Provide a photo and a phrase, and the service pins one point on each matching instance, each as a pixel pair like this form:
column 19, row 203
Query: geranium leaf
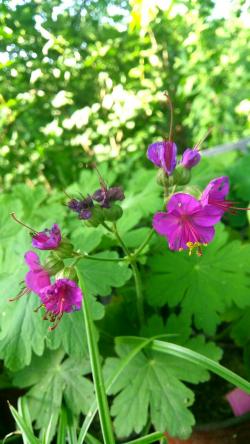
column 204, row 286
column 100, row 277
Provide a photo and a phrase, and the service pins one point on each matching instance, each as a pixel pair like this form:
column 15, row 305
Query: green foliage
column 204, row 287
column 79, row 82
column 53, row 380
column 152, row 383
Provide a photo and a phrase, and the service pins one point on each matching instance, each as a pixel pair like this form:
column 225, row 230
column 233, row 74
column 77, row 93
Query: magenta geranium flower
column 36, row 278
column 190, row 158
column 163, row 155
column 47, row 239
column 187, row 224
column 64, row 296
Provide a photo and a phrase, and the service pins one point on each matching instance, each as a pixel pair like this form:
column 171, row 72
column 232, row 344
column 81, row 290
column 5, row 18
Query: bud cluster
column 99, row 207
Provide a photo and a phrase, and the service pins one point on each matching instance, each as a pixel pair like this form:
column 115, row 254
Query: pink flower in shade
column 239, row 401
column 164, row 155
column 47, row 239
column 186, row 225
column 36, row 278
column 214, row 196
column 64, row 296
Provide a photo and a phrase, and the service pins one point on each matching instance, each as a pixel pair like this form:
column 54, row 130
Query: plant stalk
column 102, row 402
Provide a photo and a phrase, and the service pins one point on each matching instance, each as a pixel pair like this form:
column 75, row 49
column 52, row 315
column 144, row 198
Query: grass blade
column 193, row 357
column 93, row 410
column 90, row 439
column 102, row 402
column 61, row 432
column 27, row 432
column 149, row 439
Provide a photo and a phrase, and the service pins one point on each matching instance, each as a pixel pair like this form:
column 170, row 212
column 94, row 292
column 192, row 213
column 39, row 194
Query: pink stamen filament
column 198, row 145
column 226, row 205
column 169, row 102
column 13, row 215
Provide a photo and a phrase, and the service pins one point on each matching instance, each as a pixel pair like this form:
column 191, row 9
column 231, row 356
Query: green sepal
column 181, row 175
column 113, row 214
column 97, row 217
column 53, row 264
column 65, row 249
column 67, row 273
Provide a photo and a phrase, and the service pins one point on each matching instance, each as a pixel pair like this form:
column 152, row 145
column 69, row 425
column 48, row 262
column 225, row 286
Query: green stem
column 102, row 402
column 136, row 274
column 103, row 259
column 144, row 243
column 116, row 233
column 139, row 293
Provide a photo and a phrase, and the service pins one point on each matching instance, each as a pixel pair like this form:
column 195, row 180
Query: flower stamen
column 13, row 215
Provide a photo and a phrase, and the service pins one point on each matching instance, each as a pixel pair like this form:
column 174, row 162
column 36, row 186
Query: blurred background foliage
column 82, row 81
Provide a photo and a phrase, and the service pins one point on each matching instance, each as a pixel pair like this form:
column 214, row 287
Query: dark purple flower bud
column 100, row 196
column 163, row 155
column 106, row 195
column 85, row 214
column 82, row 207
column 116, row 193
column 47, row 239
column 190, row 158
column 73, row 205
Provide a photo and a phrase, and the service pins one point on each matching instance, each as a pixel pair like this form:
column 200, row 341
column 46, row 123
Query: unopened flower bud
column 190, row 158
column 181, row 175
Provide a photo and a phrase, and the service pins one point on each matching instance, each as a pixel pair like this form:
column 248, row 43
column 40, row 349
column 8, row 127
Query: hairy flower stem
column 100, row 259
column 144, row 243
column 136, row 274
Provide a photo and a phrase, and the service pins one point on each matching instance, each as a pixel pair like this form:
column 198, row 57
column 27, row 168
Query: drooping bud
column 47, row 239
column 105, row 196
column 190, row 158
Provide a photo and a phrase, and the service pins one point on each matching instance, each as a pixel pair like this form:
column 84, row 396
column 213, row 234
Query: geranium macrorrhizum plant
column 188, row 224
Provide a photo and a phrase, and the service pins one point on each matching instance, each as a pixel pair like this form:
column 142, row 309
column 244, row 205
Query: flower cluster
column 61, row 296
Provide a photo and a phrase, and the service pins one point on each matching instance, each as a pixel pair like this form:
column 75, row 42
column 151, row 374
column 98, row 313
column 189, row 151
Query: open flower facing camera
column 122, row 258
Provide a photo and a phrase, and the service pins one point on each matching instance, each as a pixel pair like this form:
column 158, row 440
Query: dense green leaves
column 69, row 97
column 204, row 286
column 99, row 277
column 152, row 383
column 54, row 379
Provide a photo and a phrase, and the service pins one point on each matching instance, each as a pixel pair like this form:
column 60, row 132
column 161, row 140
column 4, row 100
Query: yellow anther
column 192, row 245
